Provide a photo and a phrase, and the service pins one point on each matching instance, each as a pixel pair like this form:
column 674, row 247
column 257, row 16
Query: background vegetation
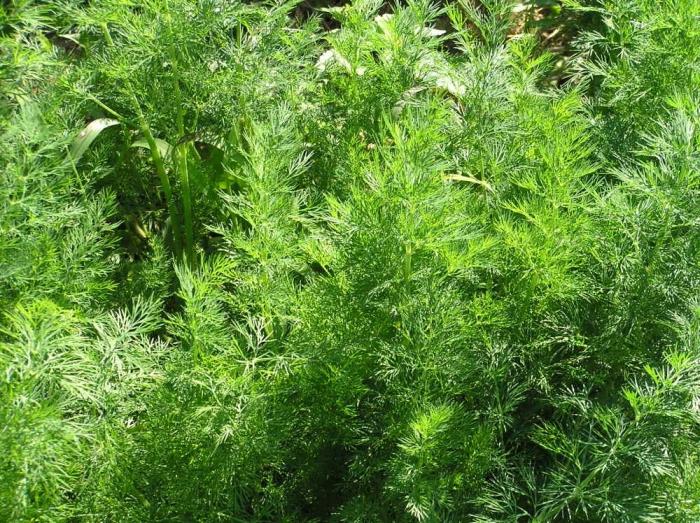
column 369, row 262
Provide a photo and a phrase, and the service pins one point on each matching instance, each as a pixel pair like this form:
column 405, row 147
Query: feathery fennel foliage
column 371, row 262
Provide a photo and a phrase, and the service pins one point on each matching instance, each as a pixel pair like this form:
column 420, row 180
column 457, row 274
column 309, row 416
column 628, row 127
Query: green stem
column 407, row 261
column 181, row 151
column 164, row 181
column 106, row 108
column 106, row 33
column 186, row 202
column 156, row 157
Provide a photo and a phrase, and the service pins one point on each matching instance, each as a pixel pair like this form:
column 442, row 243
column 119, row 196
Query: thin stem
column 106, row 108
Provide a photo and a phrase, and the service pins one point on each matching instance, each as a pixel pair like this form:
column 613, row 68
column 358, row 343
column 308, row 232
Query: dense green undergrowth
column 365, row 263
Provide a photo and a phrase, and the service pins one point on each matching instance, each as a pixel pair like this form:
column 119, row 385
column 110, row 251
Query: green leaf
column 88, row 134
column 164, row 148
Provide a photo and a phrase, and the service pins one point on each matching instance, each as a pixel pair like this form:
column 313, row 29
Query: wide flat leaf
column 164, row 148
column 88, row 134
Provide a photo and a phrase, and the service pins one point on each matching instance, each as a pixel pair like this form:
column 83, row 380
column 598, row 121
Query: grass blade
column 85, row 137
